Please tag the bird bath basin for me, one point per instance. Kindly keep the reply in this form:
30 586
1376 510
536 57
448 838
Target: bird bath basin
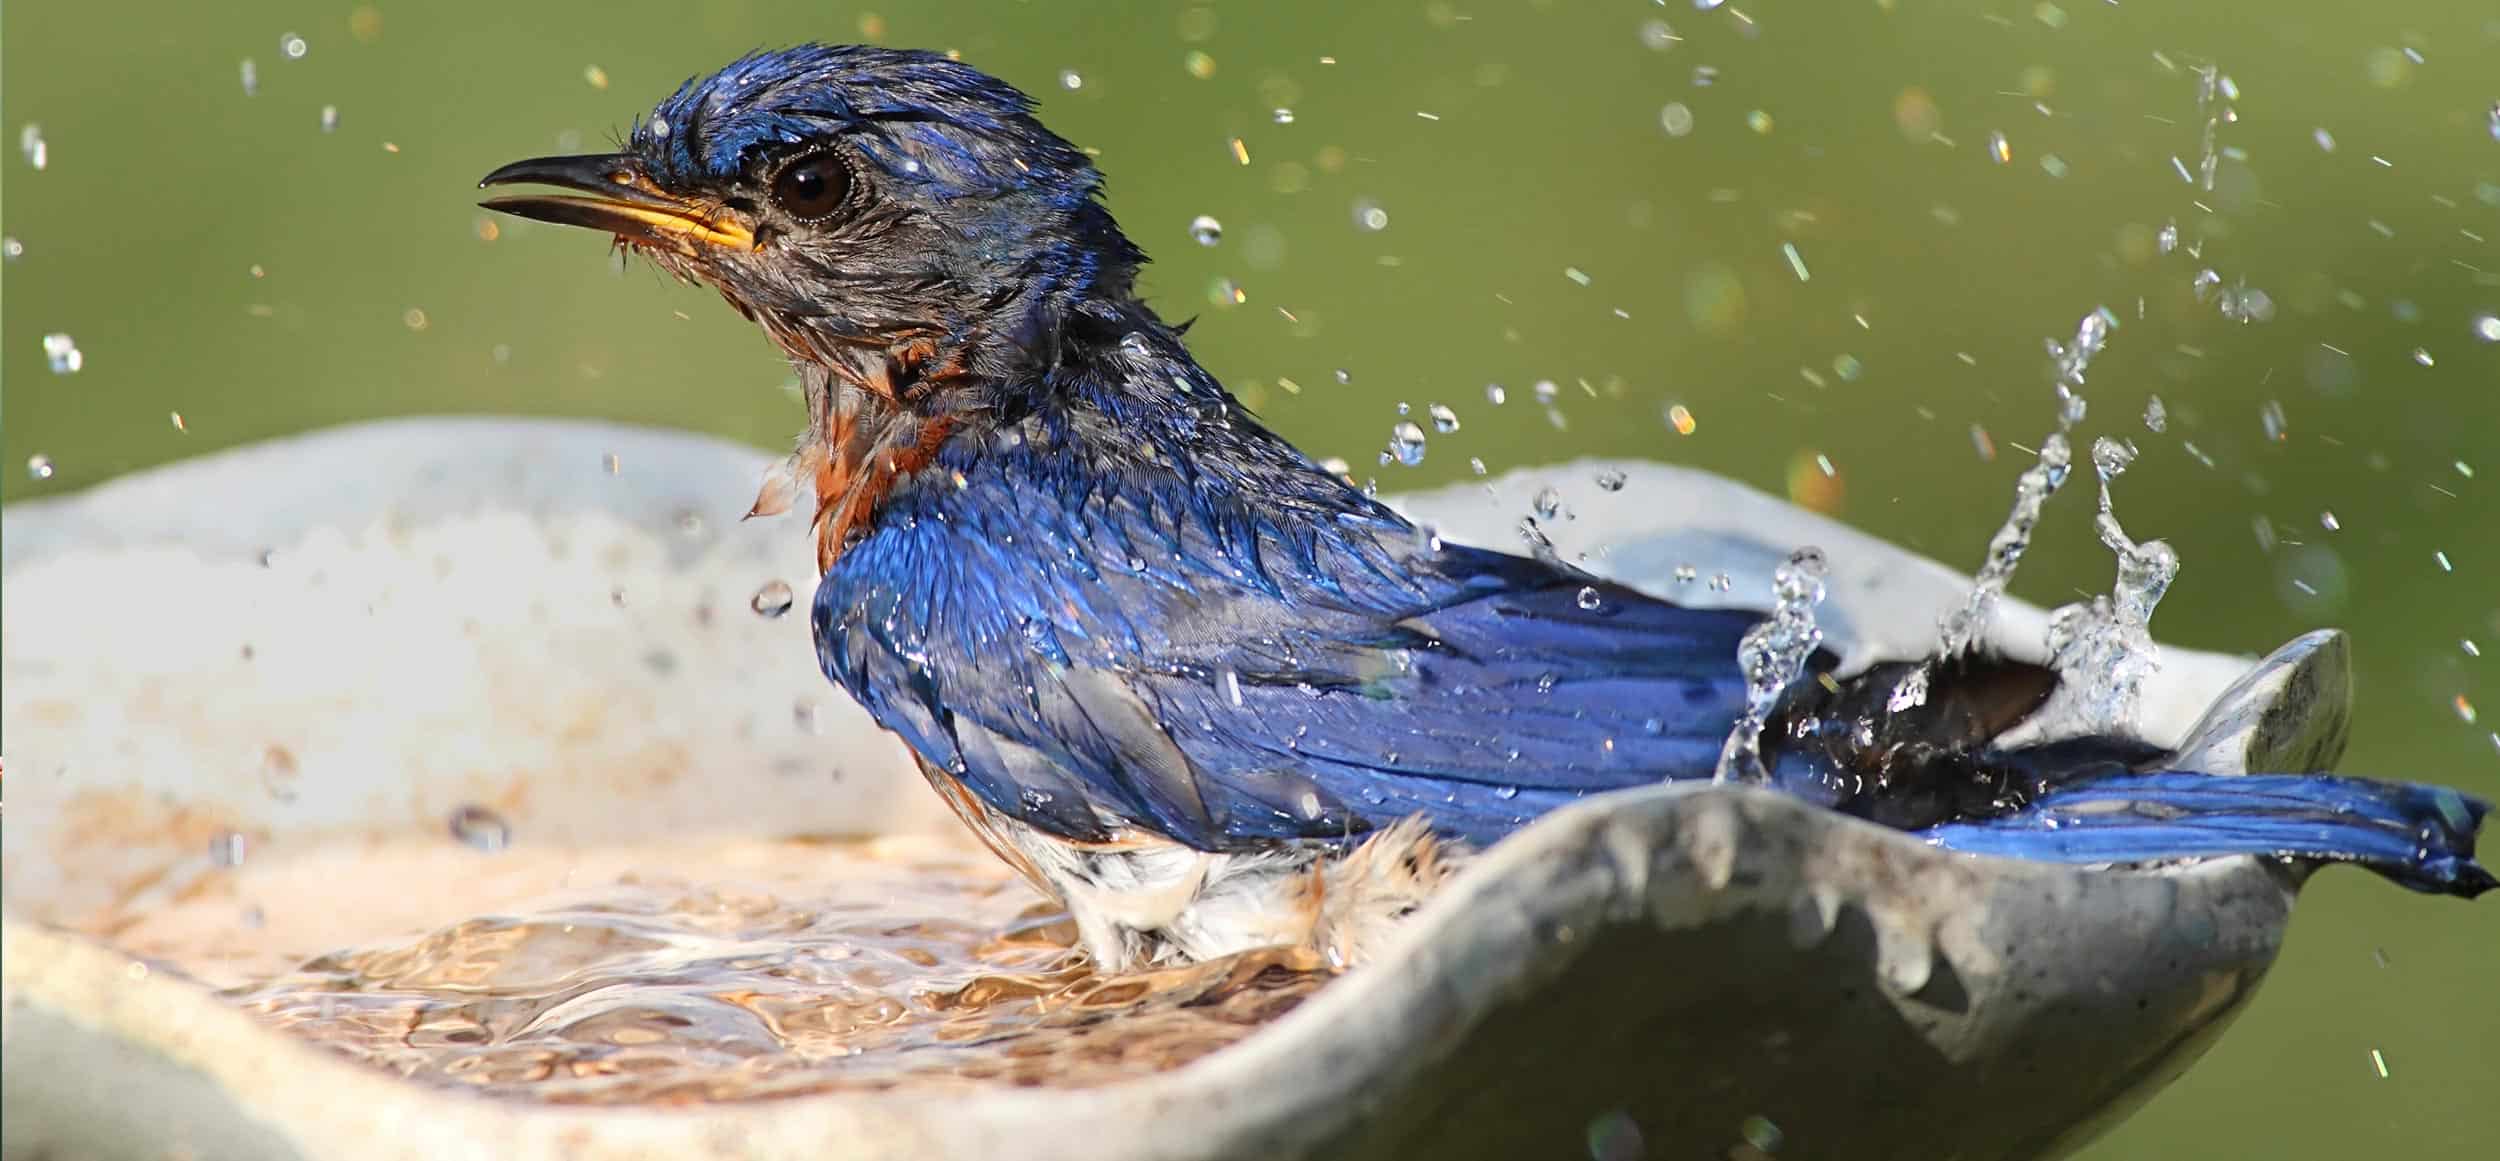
359 775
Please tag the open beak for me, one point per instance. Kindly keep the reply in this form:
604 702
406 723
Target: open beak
614 194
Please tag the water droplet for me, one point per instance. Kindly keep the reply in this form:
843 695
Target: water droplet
1707 5
1205 230
1545 390
11 249
1681 419
2243 303
1686 574
1495 395
329 118
1406 444
1656 35
1475 464
1506 793
1344 376
1545 683
39 466
2111 457
2327 521
2422 356
2487 328
62 352
1705 76
2156 416
1071 80
1444 420
1548 503
1369 217
292 46
1199 64
2325 140
1284 116
481 828
1759 1132
251 78
2168 239
2000 150
1721 582
1676 118
1758 121
1589 599
1610 480
2270 417
228 848
773 600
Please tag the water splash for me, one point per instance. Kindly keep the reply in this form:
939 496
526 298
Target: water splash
1773 655
2212 89
1962 627
2103 649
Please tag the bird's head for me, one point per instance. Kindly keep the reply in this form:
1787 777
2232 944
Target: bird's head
898 222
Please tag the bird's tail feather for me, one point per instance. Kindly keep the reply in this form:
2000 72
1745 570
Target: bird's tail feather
2419 836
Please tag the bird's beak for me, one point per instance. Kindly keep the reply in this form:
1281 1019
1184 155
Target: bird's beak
621 199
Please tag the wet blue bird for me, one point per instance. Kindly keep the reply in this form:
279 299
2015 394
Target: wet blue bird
1199 688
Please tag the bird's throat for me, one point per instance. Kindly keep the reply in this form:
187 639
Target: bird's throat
862 439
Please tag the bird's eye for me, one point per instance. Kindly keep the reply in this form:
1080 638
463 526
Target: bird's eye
811 187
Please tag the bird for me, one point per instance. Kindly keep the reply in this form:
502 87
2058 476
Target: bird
1208 694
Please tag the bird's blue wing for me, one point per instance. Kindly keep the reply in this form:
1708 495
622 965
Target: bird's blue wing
1130 658
1508 688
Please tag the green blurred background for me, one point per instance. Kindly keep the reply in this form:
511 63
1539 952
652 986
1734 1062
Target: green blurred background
219 255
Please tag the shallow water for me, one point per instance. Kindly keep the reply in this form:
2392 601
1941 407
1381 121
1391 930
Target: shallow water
743 970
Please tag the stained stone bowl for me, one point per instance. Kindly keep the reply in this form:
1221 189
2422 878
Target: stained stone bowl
440 612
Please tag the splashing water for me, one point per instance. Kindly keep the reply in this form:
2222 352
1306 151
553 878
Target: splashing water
1964 626
2103 649
2212 88
1773 655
